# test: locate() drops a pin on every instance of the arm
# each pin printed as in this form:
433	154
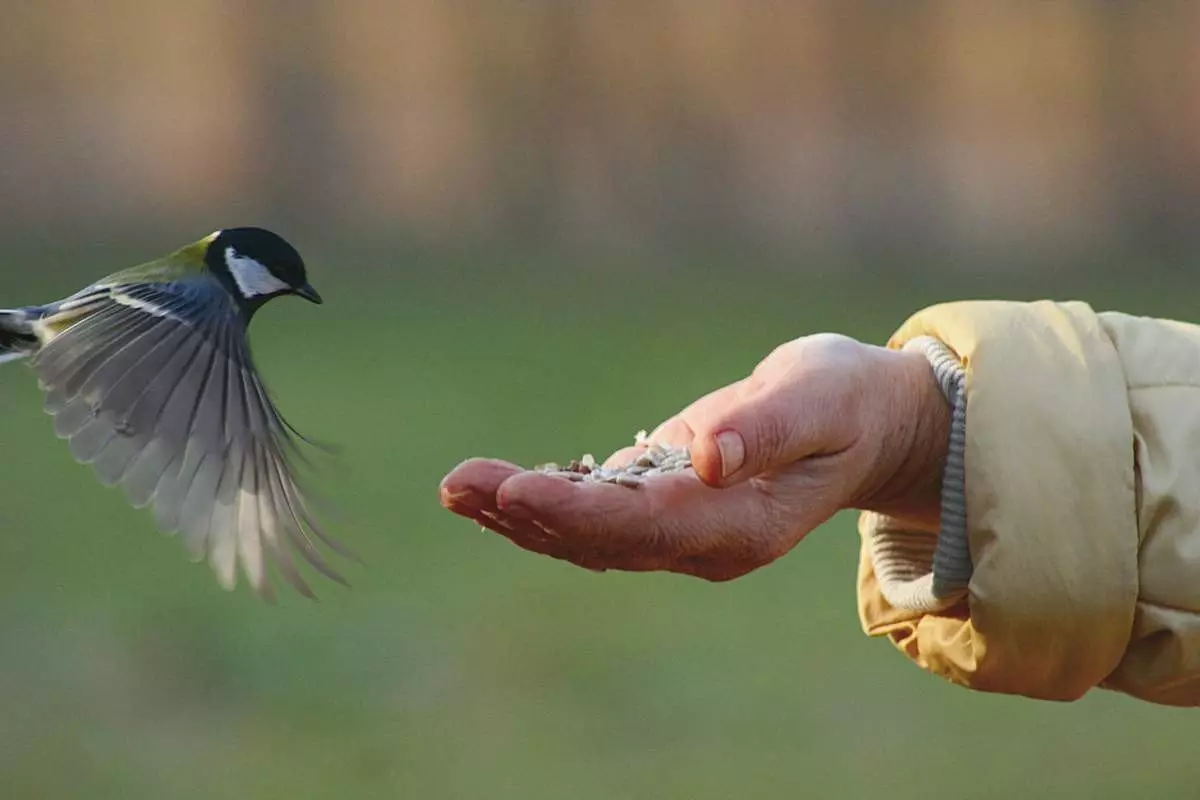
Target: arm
1077	563
1029	475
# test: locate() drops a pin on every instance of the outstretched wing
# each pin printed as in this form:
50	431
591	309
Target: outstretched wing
153	384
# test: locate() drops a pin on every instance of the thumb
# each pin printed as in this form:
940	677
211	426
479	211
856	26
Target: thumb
754	427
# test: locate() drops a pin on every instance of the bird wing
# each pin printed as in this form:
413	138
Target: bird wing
154	386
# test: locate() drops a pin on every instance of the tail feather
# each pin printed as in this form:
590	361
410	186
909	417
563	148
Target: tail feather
16	336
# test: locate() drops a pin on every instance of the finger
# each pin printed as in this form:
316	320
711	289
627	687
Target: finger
681	430
664	521
525	534
474	482
624	457
492	521
470	491
675	432
755	426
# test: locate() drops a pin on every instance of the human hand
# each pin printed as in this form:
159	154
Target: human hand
823	423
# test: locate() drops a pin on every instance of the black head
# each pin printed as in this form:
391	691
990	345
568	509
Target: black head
257	265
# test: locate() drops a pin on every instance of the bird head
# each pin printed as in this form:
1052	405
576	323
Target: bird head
258	265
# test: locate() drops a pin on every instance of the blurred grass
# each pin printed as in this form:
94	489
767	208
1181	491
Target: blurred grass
459	666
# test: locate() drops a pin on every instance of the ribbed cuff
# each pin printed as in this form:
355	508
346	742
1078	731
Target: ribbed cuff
918	571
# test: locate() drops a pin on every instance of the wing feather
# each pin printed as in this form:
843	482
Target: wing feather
281	554
113	392
156	388
249	525
145	415
224	532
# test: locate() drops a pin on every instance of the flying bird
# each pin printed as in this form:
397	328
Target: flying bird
148	375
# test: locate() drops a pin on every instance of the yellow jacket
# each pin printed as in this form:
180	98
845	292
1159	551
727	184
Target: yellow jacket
1069	551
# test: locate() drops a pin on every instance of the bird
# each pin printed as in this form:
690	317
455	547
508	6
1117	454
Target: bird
149	377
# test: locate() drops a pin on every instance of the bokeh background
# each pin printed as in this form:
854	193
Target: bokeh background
540	226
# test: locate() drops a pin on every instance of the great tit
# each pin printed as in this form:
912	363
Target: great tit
148	374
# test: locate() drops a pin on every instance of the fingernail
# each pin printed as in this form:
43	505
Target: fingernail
733	452
466	497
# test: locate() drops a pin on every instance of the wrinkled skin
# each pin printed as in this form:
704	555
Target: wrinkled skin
823	423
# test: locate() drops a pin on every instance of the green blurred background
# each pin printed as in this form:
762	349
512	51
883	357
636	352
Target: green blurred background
540	226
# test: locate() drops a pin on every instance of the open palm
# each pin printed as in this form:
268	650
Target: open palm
822	423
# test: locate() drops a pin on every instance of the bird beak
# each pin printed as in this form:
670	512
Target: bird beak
309	293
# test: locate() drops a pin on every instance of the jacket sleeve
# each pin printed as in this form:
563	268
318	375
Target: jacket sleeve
1068	555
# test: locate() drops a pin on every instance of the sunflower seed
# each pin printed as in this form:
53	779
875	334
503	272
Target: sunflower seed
656	459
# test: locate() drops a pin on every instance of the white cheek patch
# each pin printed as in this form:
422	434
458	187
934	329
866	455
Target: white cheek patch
251	277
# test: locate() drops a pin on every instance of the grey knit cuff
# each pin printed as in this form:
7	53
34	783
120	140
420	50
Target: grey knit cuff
916	570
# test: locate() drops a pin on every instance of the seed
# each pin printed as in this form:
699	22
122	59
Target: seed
655	459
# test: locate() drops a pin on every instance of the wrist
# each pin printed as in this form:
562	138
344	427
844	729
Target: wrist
910	434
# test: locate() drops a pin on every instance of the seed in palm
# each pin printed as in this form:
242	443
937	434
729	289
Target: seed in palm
656	459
